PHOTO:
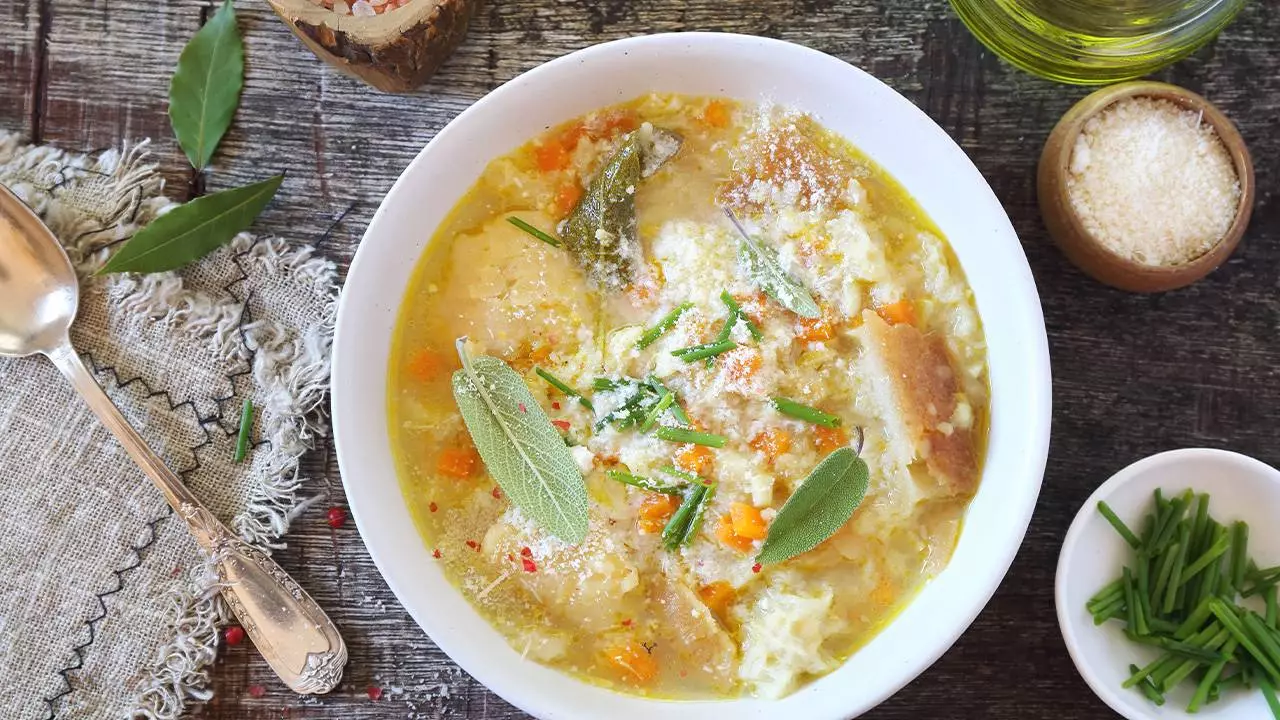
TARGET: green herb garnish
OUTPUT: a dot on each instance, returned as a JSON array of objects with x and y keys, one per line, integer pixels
[
  {"x": 681, "y": 416},
  {"x": 707, "y": 350},
  {"x": 664, "y": 324},
  {"x": 736, "y": 313},
  {"x": 676, "y": 472},
  {"x": 531, "y": 230},
  {"x": 246, "y": 428},
  {"x": 800, "y": 411},
  {"x": 189, "y": 232},
  {"x": 760, "y": 263},
  {"x": 519, "y": 445},
  {"x": 687, "y": 519},
  {"x": 1179, "y": 594},
  {"x": 563, "y": 387},
  {"x": 644, "y": 483},
  {"x": 685, "y": 435},
  {"x": 818, "y": 508},
  {"x": 205, "y": 88},
  {"x": 656, "y": 411}
]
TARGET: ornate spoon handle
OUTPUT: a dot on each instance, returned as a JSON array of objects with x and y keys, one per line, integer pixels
[{"x": 294, "y": 635}]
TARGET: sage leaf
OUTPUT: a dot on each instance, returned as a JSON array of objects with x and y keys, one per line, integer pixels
[
  {"x": 205, "y": 88},
  {"x": 600, "y": 231},
  {"x": 818, "y": 508},
  {"x": 191, "y": 231},
  {"x": 521, "y": 448},
  {"x": 760, "y": 263}
]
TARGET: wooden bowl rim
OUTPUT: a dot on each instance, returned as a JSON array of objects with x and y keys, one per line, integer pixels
[{"x": 1123, "y": 272}]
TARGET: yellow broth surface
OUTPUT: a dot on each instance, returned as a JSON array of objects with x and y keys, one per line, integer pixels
[{"x": 897, "y": 354}]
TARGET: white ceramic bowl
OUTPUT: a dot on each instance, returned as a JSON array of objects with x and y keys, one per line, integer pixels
[
  {"x": 884, "y": 125},
  {"x": 1240, "y": 488}
]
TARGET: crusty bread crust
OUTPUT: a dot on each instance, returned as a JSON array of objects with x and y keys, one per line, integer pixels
[{"x": 916, "y": 383}]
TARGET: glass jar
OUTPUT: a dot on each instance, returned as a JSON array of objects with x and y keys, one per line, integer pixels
[{"x": 1091, "y": 42}]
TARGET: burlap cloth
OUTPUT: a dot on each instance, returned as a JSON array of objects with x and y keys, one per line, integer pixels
[{"x": 106, "y": 607}]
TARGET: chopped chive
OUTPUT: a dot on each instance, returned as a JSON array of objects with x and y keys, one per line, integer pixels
[
  {"x": 801, "y": 411},
  {"x": 1107, "y": 593},
  {"x": 1166, "y": 569},
  {"x": 601, "y": 384},
  {"x": 684, "y": 523},
  {"x": 246, "y": 427},
  {"x": 1148, "y": 689},
  {"x": 1272, "y": 604},
  {"x": 563, "y": 387},
  {"x": 1118, "y": 524},
  {"x": 1195, "y": 621},
  {"x": 676, "y": 410},
  {"x": 1269, "y": 692},
  {"x": 644, "y": 483},
  {"x": 736, "y": 309},
  {"x": 699, "y": 512},
  {"x": 684, "y": 435},
  {"x": 1220, "y": 545},
  {"x": 1130, "y": 601},
  {"x": 544, "y": 237},
  {"x": 656, "y": 411},
  {"x": 1239, "y": 553},
  {"x": 664, "y": 324},
  {"x": 1210, "y": 678},
  {"x": 1233, "y": 624},
  {"x": 699, "y": 352},
  {"x": 674, "y": 471},
  {"x": 1263, "y": 638},
  {"x": 1175, "y": 577}
]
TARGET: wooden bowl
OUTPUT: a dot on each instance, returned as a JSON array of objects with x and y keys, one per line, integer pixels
[{"x": 1081, "y": 247}]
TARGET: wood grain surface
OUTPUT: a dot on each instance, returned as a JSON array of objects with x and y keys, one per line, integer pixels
[{"x": 1132, "y": 374}]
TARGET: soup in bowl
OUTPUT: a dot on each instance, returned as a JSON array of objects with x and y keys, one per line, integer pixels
[{"x": 687, "y": 396}]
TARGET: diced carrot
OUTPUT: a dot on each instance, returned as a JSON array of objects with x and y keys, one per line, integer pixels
[
  {"x": 898, "y": 313},
  {"x": 458, "y": 462},
  {"x": 695, "y": 459},
  {"x": 743, "y": 363},
  {"x": 566, "y": 198},
  {"x": 772, "y": 443},
  {"x": 883, "y": 592},
  {"x": 551, "y": 156},
  {"x": 540, "y": 353},
  {"x": 726, "y": 535},
  {"x": 426, "y": 365},
  {"x": 816, "y": 329},
  {"x": 614, "y": 123},
  {"x": 633, "y": 661},
  {"x": 747, "y": 521},
  {"x": 828, "y": 439},
  {"x": 718, "y": 596},
  {"x": 655, "y": 510},
  {"x": 716, "y": 114}
]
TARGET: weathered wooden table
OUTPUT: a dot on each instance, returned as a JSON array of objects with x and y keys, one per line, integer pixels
[{"x": 1133, "y": 374}]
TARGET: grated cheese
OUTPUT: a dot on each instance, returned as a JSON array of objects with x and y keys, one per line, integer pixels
[{"x": 1152, "y": 182}]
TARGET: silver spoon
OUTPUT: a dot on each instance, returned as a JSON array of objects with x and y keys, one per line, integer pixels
[{"x": 38, "y": 298}]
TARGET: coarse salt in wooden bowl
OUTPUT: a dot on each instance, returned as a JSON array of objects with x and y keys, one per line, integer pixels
[{"x": 1091, "y": 254}]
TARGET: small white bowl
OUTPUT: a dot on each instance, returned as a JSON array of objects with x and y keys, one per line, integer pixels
[
  {"x": 889, "y": 129},
  {"x": 1240, "y": 488}
]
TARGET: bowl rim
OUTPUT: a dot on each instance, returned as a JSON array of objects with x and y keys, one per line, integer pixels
[
  {"x": 1086, "y": 251},
  {"x": 1038, "y": 391},
  {"x": 1076, "y": 537}
]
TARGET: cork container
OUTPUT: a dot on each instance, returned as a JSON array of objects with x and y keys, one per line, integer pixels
[{"x": 1087, "y": 252}]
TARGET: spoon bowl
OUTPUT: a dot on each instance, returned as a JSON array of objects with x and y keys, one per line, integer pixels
[{"x": 37, "y": 283}]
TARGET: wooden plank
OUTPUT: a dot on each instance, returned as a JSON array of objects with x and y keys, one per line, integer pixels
[{"x": 25, "y": 26}]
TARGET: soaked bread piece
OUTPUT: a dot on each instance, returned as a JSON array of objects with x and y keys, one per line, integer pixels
[{"x": 918, "y": 394}]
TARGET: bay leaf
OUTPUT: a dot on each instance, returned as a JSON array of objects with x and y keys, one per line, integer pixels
[
  {"x": 191, "y": 231},
  {"x": 205, "y": 89},
  {"x": 818, "y": 508},
  {"x": 760, "y": 263},
  {"x": 521, "y": 448}
]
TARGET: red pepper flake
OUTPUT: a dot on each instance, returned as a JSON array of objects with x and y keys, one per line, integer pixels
[
  {"x": 233, "y": 635},
  {"x": 436, "y": 553},
  {"x": 626, "y": 623},
  {"x": 684, "y": 673},
  {"x": 555, "y": 405},
  {"x": 523, "y": 409},
  {"x": 433, "y": 506},
  {"x": 375, "y": 693},
  {"x": 511, "y": 558},
  {"x": 756, "y": 568},
  {"x": 563, "y": 425},
  {"x": 529, "y": 565},
  {"x": 473, "y": 545},
  {"x": 526, "y": 552},
  {"x": 497, "y": 493},
  {"x": 257, "y": 691},
  {"x": 337, "y": 517}
]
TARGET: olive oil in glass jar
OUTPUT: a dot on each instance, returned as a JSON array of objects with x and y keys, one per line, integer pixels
[{"x": 1091, "y": 42}]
